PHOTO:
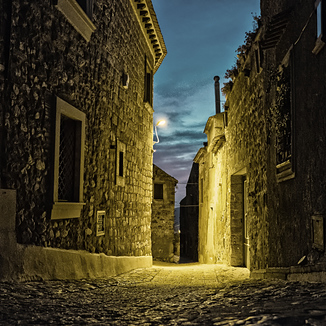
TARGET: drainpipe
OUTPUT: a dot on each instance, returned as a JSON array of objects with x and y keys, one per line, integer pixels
[
  {"x": 217, "y": 94},
  {"x": 5, "y": 63}
]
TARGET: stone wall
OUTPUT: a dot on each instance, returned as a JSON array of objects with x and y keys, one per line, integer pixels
[
  {"x": 294, "y": 202},
  {"x": 284, "y": 200},
  {"x": 214, "y": 222},
  {"x": 163, "y": 217},
  {"x": 49, "y": 58},
  {"x": 246, "y": 142},
  {"x": 274, "y": 149}
]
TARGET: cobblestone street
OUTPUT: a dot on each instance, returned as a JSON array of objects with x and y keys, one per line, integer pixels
[{"x": 167, "y": 294}]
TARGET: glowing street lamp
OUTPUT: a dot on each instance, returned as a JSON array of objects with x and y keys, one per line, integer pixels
[{"x": 159, "y": 123}]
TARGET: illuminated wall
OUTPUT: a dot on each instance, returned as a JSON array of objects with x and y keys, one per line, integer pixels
[
  {"x": 213, "y": 223},
  {"x": 274, "y": 147},
  {"x": 162, "y": 225}
]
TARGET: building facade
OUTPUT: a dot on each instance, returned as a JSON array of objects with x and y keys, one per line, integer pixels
[
  {"x": 163, "y": 215},
  {"x": 189, "y": 211},
  {"x": 76, "y": 122},
  {"x": 272, "y": 205}
]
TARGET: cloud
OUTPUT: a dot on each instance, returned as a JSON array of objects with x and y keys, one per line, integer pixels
[{"x": 201, "y": 39}]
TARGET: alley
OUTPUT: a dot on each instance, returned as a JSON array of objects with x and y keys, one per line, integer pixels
[{"x": 166, "y": 294}]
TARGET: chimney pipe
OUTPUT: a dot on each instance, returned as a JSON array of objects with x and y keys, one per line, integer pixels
[{"x": 217, "y": 94}]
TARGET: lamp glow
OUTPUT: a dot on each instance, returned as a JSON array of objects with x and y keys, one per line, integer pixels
[{"x": 159, "y": 123}]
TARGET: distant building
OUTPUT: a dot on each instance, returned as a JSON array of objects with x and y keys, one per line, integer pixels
[
  {"x": 262, "y": 197},
  {"x": 189, "y": 211},
  {"x": 163, "y": 215},
  {"x": 212, "y": 190},
  {"x": 76, "y": 119}
]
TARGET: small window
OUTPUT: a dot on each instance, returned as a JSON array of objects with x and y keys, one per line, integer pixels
[
  {"x": 148, "y": 84},
  {"x": 201, "y": 190},
  {"x": 158, "y": 190},
  {"x": 68, "y": 161},
  {"x": 120, "y": 163},
  {"x": 321, "y": 25},
  {"x": 319, "y": 19}
]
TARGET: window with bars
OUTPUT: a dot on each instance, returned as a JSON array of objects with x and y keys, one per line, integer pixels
[
  {"x": 68, "y": 161},
  {"x": 284, "y": 132},
  {"x": 68, "y": 169},
  {"x": 284, "y": 120}
]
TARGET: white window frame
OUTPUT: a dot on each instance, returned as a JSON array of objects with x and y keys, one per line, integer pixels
[
  {"x": 62, "y": 209},
  {"x": 77, "y": 17}
]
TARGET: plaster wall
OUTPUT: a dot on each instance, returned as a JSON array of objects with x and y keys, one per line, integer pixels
[{"x": 213, "y": 225}]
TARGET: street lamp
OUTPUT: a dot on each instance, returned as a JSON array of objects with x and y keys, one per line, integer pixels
[{"x": 159, "y": 123}]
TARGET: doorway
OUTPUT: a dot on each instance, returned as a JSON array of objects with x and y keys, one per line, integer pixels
[
  {"x": 240, "y": 246},
  {"x": 246, "y": 244}
]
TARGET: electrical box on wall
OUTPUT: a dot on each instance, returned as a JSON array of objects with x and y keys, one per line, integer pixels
[
  {"x": 317, "y": 232},
  {"x": 100, "y": 224}
]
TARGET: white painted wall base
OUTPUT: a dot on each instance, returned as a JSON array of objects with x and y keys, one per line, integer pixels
[
  {"x": 24, "y": 263},
  {"x": 53, "y": 264}
]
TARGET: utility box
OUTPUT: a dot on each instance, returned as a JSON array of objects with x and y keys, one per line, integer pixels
[{"x": 7, "y": 210}]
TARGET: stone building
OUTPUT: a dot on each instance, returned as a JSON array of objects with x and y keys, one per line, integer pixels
[
  {"x": 189, "y": 210},
  {"x": 163, "y": 215},
  {"x": 76, "y": 119},
  {"x": 212, "y": 191},
  {"x": 270, "y": 214},
  {"x": 295, "y": 196}
]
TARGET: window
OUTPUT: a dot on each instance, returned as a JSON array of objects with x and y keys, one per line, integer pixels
[
  {"x": 258, "y": 58},
  {"x": 284, "y": 121},
  {"x": 69, "y": 148},
  {"x": 158, "y": 190},
  {"x": 283, "y": 140},
  {"x": 148, "y": 84},
  {"x": 201, "y": 190},
  {"x": 319, "y": 18},
  {"x": 79, "y": 13},
  {"x": 321, "y": 25},
  {"x": 68, "y": 161},
  {"x": 120, "y": 163}
]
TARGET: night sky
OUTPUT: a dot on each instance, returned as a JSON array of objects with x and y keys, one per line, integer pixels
[{"x": 201, "y": 39}]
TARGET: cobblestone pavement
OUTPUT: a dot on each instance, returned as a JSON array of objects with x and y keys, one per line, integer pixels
[{"x": 167, "y": 294}]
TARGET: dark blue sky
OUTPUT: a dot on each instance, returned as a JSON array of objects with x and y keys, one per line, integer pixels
[{"x": 201, "y": 39}]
